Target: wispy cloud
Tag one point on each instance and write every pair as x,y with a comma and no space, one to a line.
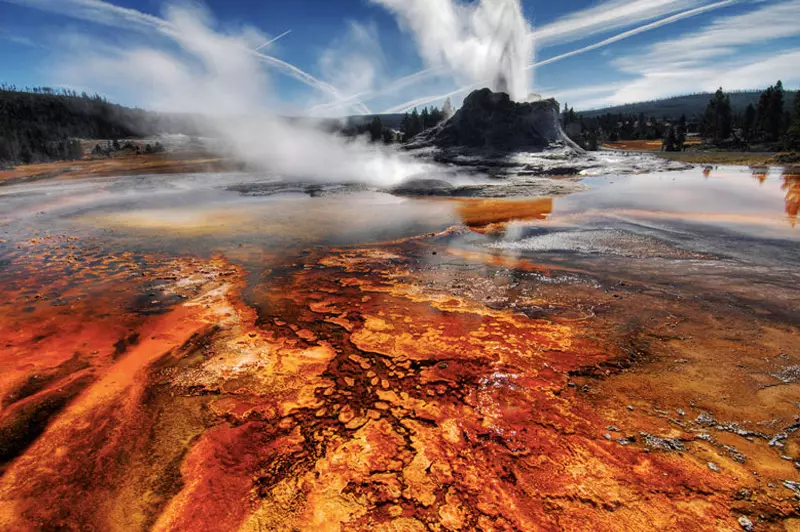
723,36
607,16
635,31
98,11
18,39
728,52
273,40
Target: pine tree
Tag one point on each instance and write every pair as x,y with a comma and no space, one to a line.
769,115
793,136
749,121
718,119
376,129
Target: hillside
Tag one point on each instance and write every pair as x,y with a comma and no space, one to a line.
41,125
690,105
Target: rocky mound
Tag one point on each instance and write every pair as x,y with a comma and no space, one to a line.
492,121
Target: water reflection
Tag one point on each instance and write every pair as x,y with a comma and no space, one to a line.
791,185
760,173
481,213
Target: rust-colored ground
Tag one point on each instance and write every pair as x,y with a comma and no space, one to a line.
643,144
123,165
402,387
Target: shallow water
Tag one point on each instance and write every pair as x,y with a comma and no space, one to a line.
225,351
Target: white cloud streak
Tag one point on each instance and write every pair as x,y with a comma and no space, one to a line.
101,12
607,16
273,40
635,31
725,53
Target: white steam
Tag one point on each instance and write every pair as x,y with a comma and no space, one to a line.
215,75
487,42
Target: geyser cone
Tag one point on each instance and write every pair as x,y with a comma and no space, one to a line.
491,120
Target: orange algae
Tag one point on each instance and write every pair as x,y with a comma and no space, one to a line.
373,391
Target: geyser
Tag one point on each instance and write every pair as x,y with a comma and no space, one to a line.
484,43
493,121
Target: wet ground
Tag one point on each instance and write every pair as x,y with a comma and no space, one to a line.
220,351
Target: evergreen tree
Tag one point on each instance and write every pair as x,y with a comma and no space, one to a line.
769,118
416,124
641,126
376,129
749,121
793,135
718,119
774,122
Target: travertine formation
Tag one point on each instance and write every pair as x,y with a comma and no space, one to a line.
492,121
402,387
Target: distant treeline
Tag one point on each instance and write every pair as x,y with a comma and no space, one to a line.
770,121
397,128
691,105
42,124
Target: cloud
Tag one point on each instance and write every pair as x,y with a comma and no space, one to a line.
635,31
354,64
18,39
607,16
724,36
98,11
727,52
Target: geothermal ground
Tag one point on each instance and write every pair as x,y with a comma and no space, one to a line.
225,352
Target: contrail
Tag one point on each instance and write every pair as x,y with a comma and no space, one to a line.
372,94
99,11
635,31
404,107
407,106
279,37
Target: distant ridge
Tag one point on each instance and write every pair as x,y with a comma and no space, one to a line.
692,105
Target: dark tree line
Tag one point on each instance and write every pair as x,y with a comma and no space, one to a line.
411,125
415,123
590,132
42,124
768,126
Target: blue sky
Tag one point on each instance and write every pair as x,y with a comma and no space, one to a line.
359,47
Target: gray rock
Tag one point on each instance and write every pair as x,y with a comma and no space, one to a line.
713,467
746,523
424,187
491,120
705,419
663,444
792,485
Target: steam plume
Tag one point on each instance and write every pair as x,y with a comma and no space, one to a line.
220,74
487,40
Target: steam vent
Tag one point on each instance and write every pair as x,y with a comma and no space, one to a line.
491,120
